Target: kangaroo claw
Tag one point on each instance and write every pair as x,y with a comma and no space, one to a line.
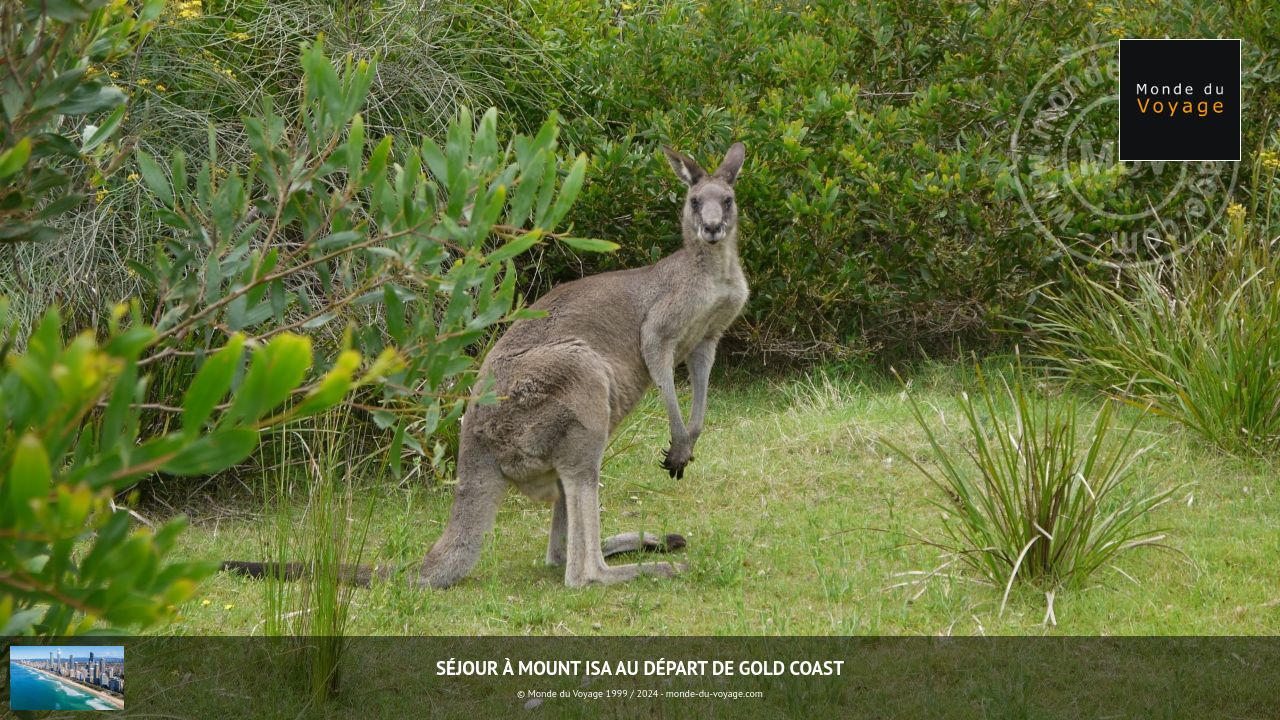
674,469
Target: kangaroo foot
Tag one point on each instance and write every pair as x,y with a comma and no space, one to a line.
608,575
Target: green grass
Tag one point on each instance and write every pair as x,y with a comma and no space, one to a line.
797,519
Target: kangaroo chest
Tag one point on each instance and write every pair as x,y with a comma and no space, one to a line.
714,310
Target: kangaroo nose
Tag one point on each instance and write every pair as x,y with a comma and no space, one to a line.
713,229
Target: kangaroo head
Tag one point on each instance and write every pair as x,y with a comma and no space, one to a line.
710,213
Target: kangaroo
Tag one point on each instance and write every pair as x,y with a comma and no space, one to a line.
567,380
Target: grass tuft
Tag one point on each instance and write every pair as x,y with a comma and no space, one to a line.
1040,494
1195,336
315,610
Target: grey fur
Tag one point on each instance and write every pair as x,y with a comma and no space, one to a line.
568,379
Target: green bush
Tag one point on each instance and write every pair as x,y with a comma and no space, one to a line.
70,441
879,204
213,62
328,234
1196,337
359,246
880,213
50,53
1038,495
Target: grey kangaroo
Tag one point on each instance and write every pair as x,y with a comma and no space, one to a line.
566,380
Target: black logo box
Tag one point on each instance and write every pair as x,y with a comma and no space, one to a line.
1187,68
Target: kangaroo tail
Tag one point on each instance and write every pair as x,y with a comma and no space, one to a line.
481,486
475,506
357,575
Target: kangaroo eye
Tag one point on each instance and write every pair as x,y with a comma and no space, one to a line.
694,203
728,203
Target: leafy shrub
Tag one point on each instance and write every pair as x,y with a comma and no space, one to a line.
879,205
317,231
327,235
215,61
70,440
1196,336
50,55
1039,496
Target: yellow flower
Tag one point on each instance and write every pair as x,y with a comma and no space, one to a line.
134,177
115,74
98,196
228,606
160,87
206,601
241,36
144,82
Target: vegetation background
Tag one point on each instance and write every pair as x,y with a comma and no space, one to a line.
882,216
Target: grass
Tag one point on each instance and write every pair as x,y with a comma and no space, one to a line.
797,518
1041,496
1196,336
314,611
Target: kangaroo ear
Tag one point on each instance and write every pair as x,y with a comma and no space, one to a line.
732,163
686,169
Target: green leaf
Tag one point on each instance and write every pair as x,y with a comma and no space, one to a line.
103,131
67,11
119,421
333,387
214,452
395,313
526,190
29,474
275,371
151,10
210,385
589,244
92,98
20,622
516,246
340,239
568,192
15,158
319,321
435,161
155,178
355,148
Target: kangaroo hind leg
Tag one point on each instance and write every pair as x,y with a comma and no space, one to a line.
481,486
557,544
580,485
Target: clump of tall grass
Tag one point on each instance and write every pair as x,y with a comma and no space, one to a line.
1040,493
312,610
1195,336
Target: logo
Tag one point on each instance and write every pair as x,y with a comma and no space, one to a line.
1077,191
1180,100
